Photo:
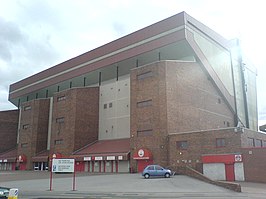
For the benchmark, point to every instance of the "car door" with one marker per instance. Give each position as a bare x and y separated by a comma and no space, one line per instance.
159,170
152,171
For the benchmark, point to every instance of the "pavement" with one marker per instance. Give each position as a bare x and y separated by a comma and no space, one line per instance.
36,185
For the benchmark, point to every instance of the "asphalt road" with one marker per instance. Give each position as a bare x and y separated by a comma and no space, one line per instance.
36,185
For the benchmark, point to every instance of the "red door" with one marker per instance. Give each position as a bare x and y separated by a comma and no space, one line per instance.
142,164
22,166
230,172
80,166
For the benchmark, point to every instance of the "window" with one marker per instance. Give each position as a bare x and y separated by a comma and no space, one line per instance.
258,143
105,106
182,145
61,98
25,126
58,142
24,145
251,142
220,142
27,108
264,143
144,75
144,133
158,167
150,168
60,120
144,103
110,105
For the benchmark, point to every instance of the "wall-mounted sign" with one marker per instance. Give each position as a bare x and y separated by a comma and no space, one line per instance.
87,158
98,158
110,157
141,153
238,158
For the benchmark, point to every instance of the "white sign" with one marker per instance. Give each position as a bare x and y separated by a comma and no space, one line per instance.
63,165
141,153
5,160
120,157
110,157
87,158
238,158
98,158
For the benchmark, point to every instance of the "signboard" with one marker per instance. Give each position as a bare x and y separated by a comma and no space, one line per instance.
110,158
63,165
87,159
238,158
98,158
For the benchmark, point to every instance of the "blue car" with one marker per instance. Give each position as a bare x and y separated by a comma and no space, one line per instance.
156,170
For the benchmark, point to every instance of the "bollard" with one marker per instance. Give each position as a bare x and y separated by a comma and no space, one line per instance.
13,193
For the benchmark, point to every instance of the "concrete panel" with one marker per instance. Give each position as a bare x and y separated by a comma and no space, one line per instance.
214,171
239,171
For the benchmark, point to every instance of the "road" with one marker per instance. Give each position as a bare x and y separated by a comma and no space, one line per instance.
36,185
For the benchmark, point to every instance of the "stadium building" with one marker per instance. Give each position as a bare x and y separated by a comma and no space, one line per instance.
175,93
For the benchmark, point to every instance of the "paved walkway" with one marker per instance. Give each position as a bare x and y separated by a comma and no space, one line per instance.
36,185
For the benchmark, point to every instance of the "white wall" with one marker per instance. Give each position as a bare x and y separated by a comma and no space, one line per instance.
239,171
114,120
214,171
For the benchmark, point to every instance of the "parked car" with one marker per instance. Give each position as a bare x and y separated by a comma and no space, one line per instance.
4,192
156,170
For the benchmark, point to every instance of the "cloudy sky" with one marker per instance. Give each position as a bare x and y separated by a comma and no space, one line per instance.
37,34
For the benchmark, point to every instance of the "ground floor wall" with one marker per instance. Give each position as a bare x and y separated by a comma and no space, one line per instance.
254,164
104,166
7,166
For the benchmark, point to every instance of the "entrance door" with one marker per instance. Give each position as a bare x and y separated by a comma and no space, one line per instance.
142,164
229,172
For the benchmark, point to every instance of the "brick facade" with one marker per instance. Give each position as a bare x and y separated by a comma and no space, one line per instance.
182,99
199,143
75,119
254,164
148,85
33,128
8,129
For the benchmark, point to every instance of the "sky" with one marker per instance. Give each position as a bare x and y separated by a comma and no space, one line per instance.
38,34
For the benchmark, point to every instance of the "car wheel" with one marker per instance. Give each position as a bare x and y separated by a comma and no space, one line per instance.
167,175
146,175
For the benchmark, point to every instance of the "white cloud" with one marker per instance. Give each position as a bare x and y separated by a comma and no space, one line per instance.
35,35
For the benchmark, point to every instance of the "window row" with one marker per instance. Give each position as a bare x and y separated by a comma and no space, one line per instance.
252,142
58,120
183,145
106,105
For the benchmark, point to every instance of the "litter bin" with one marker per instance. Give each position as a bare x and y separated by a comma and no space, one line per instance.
13,193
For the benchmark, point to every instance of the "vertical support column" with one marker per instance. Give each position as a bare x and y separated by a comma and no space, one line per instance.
100,78
19,118
50,124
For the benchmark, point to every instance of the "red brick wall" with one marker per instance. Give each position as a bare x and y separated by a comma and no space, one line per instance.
246,134
193,103
80,110
8,129
199,143
35,136
151,117
183,100
254,164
